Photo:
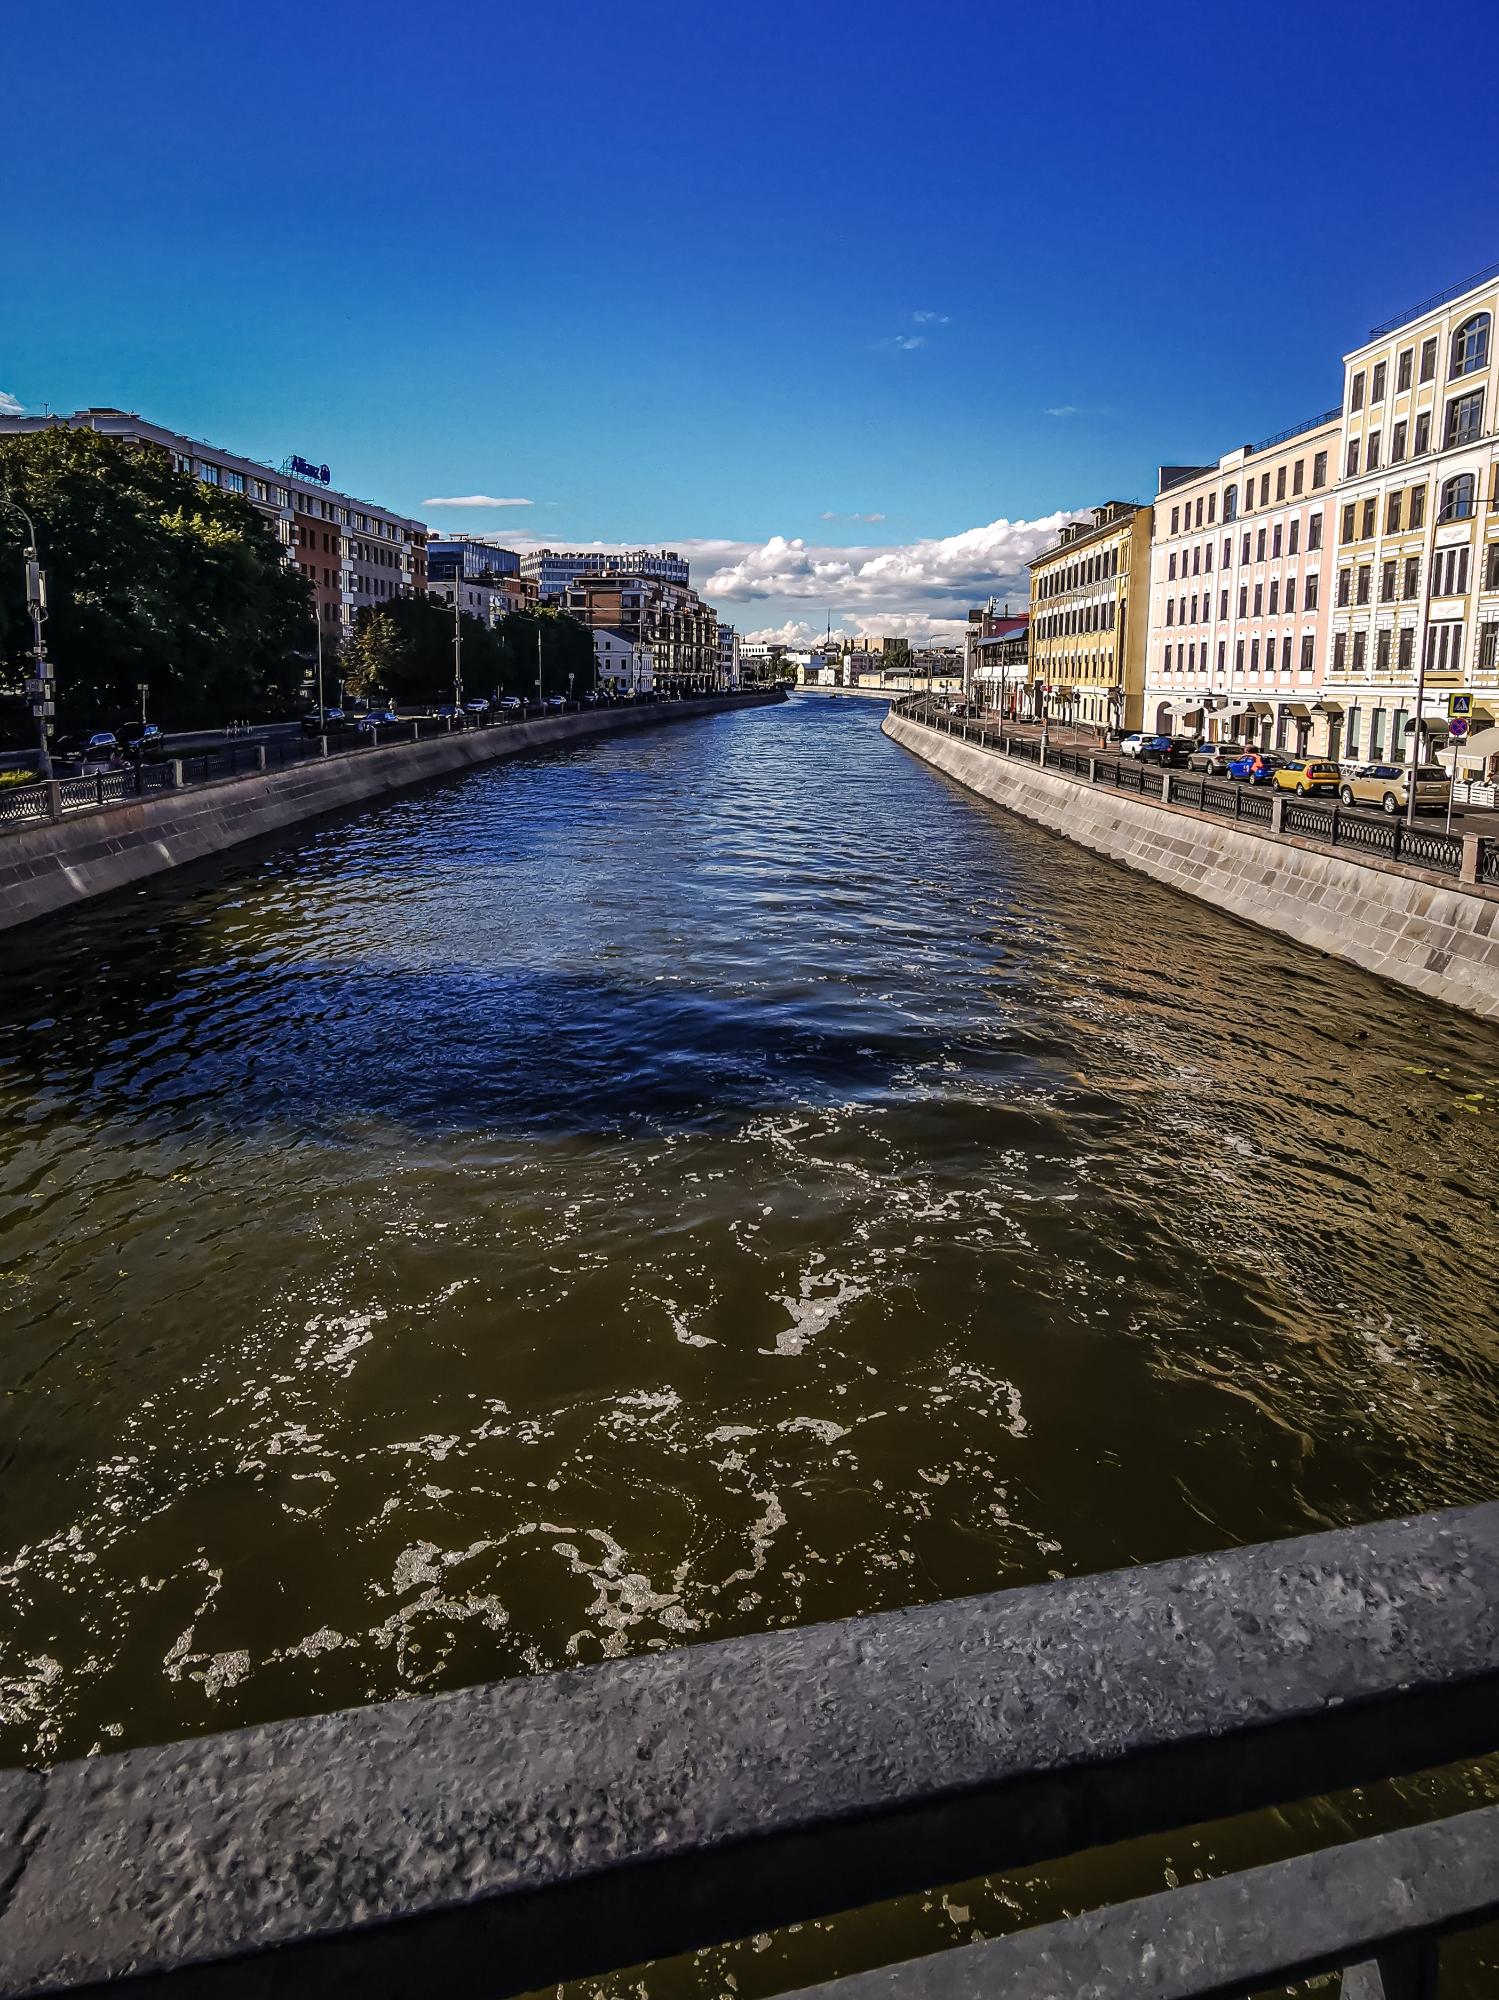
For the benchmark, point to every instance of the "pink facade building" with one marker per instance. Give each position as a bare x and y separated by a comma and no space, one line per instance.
1239,592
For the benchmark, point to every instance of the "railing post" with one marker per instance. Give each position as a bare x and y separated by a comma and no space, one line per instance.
1092,770
54,798
1472,856
1404,1971
1238,801
174,765
1396,831
98,788
260,756
1277,812
1166,786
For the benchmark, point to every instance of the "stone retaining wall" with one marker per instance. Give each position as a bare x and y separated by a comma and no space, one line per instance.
50,866
1420,930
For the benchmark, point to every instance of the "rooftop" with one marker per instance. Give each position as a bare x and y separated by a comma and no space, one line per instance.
1437,299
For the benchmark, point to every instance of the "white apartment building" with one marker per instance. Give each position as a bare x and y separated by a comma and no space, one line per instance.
1239,583
554,571
488,601
623,666
352,552
1415,610
728,656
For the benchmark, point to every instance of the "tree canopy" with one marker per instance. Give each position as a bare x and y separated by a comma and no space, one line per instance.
403,650
151,576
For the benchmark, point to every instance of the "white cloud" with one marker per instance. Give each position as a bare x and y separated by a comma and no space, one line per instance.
917,579
932,319
477,500
9,407
905,341
1063,410
796,633
829,516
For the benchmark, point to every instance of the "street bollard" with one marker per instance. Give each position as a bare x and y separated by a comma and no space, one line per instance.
260,756
54,798
1277,812
174,766
1472,853
322,746
1165,787
1092,770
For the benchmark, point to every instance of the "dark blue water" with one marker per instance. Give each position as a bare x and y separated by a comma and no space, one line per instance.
714,1178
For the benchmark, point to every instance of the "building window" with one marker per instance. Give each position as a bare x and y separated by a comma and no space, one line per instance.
209,474
1319,470
1465,418
1429,359
1290,595
1254,656
1353,732
1259,600
1350,467
1171,567
1223,602
1176,520
1418,506
1386,582
1423,434
1280,483
1411,581
1488,646
1310,603
1364,579
1470,346
1376,386
1259,546
1360,648
1405,654
1394,507
1372,464
1293,540
1397,443
1350,516
1275,597
1314,533
1243,600
1276,538
1491,567
1356,398
1264,489
1382,652
1340,656
1345,587
1403,368
1457,498
1308,652
1371,519
1298,472
1444,648
1244,547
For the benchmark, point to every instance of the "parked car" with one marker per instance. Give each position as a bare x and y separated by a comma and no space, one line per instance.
97,748
478,706
446,711
136,738
327,724
1256,767
1387,786
1172,751
1214,758
1307,777
1130,746
555,703
376,718
510,704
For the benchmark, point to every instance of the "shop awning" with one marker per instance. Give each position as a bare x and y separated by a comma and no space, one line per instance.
1482,743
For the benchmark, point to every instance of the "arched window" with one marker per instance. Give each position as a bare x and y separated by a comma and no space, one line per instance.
1470,345
1457,498
1231,504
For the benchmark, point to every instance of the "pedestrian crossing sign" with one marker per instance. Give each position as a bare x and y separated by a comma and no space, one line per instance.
1459,704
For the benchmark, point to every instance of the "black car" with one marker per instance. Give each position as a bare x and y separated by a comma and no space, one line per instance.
1168,751
138,738
325,724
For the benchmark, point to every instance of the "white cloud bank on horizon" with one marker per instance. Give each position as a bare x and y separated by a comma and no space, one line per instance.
476,500
804,637
919,580
9,407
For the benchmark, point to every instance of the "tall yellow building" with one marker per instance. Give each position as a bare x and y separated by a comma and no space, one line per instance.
1089,601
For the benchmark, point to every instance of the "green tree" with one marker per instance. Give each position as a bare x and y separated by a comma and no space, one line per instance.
152,576
565,657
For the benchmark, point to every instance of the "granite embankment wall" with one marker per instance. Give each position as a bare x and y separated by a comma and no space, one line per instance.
1417,929
51,866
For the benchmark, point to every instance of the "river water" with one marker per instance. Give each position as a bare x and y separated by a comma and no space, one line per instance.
709,1179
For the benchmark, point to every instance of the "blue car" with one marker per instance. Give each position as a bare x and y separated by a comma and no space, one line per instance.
1256,767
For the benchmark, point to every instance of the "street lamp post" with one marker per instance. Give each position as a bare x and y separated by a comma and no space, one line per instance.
142,688
40,685
458,640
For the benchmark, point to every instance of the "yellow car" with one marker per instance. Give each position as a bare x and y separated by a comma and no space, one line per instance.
1307,777
1384,785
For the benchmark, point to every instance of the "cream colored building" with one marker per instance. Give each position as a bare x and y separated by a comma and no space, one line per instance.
1239,587
1415,605
1089,597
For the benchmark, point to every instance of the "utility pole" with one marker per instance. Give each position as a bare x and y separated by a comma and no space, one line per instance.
540,694
322,714
458,638
40,685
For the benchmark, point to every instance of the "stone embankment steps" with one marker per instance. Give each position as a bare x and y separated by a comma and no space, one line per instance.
50,866
1423,931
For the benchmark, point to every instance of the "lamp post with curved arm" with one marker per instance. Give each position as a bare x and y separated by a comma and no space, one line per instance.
39,687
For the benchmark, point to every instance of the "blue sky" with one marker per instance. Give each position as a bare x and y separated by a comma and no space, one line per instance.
725,277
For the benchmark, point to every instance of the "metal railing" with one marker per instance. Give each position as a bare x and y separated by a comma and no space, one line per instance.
504,1839
1428,848
1297,430
1444,298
